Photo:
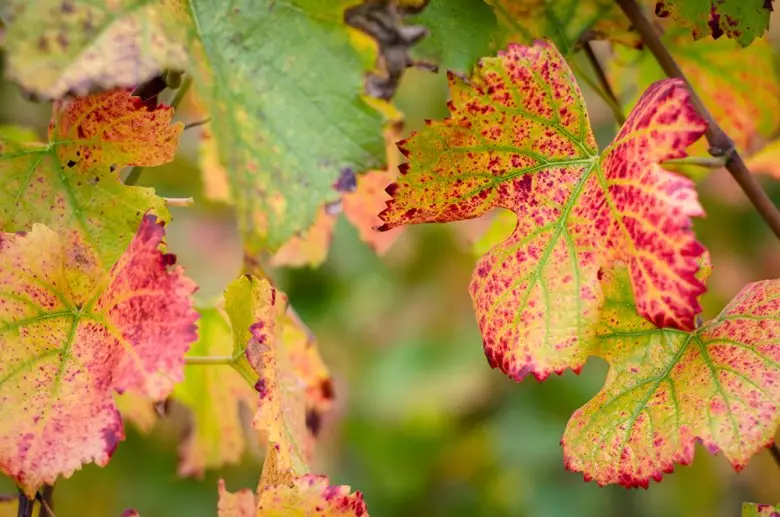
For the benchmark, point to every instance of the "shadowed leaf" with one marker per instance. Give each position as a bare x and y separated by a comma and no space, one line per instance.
742,20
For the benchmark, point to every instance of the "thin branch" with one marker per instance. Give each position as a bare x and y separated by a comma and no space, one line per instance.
604,82
25,505
706,162
135,173
775,452
179,201
720,143
206,360
46,499
197,123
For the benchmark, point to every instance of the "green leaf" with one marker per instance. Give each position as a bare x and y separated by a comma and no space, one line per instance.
742,20
461,31
760,510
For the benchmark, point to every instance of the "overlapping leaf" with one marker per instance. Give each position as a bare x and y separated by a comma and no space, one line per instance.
363,197
281,81
71,185
668,389
565,22
214,394
760,510
66,352
742,20
739,86
519,138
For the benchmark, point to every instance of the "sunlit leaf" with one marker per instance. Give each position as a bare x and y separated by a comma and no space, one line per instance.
65,356
519,138
742,20
214,394
668,389
71,185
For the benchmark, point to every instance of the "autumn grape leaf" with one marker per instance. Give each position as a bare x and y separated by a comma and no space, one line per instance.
64,358
745,102
668,389
760,510
56,47
281,81
742,20
565,22
292,382
519,138
214,394
363,197
766,160
71,185
309,494
460,32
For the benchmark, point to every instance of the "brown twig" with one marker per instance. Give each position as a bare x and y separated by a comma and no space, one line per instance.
46,497
25,505
604,82
720,143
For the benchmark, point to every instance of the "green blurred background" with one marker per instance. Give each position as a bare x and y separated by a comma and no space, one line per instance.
422,425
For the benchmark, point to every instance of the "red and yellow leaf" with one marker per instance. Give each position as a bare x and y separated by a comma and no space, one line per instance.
71,184
65,353
668,389
745,102
215,395
293,385
311,248
519,138
307,495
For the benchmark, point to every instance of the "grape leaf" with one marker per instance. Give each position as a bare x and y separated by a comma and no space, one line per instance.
362,206
667,389
214,395
518,138
766,160
460,32
281,81
57,47
70,184
64,358
760,510
293,384
307,495
745,101
742,20
565,22
311,248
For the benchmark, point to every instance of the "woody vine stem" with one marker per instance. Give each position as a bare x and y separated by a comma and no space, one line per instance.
721,144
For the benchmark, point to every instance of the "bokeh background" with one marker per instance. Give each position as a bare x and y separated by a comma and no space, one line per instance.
422,425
